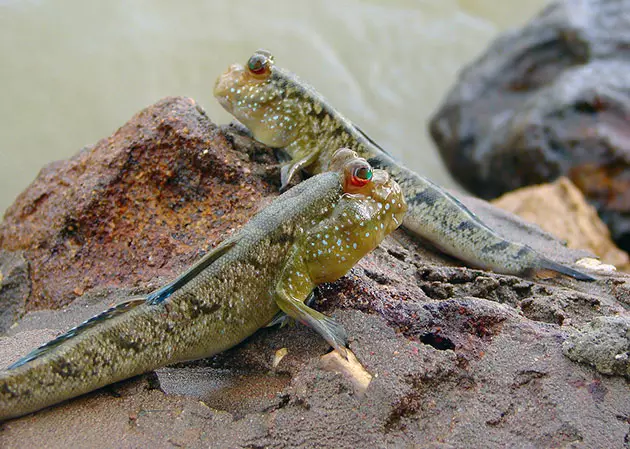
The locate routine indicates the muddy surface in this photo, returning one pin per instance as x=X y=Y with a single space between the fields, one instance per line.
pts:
x=458 y=357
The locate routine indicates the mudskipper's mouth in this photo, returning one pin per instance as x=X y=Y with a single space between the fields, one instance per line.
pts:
x=226 y=84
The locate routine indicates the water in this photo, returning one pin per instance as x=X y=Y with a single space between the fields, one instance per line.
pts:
x=71 y=71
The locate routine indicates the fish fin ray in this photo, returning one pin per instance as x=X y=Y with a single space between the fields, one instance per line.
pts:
x=108 y=314
x=162 y=293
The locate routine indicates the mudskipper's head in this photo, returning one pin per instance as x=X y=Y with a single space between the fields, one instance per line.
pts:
x=258 y=95
x=371 y=207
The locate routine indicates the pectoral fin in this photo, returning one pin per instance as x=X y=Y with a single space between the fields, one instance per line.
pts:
x=329 y=329
x=288 y=171
x=282 y=319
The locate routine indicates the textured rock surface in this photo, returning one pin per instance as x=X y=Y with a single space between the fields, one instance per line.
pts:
x=459 y=357
x=560 y=209
x=604 y=343
x=548 y=100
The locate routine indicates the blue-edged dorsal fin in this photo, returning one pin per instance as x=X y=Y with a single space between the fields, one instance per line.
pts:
x=110 y=313
x=163 y=293
x=369 y=139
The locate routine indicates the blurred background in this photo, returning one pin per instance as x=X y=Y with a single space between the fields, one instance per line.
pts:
x=72 y=72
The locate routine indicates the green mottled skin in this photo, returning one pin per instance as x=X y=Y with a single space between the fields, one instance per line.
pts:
x=281 y=110
x=313 y=233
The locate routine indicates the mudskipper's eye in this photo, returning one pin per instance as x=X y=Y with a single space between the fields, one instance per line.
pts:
x=258 y=65
x=361 y=174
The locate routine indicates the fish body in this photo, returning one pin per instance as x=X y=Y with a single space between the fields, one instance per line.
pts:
x=311 y=234
x=283 y=111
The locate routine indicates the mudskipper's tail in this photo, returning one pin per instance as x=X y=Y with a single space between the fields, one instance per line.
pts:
x=546 y=264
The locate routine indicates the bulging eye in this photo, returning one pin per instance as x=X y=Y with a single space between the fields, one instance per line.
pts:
x=258 y=65
x=361 y=174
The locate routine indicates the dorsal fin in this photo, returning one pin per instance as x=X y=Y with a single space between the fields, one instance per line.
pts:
x=369 y=139
x=110 y=313
x=154 y=298
x=163 y=293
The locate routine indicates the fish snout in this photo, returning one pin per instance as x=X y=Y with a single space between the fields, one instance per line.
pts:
x=228 y=81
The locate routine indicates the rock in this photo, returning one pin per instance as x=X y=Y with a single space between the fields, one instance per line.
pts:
x=350 y=368
x=455 y=355
x=15 y=287
x=560 y=209
x=604 y=344
x=137 y=206
x=548 y=100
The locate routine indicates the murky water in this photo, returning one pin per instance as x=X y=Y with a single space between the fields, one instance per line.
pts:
x=72 y=71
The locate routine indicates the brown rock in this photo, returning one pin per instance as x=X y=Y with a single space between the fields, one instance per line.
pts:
x=561 y=209
x=139 y=205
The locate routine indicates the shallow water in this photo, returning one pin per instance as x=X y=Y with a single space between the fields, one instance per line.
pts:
x=72 y=72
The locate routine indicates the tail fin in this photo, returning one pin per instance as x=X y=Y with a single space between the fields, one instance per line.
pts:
x=546 y=264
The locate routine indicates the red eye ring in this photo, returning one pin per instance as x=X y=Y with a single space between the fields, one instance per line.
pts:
x=361 y=175
x=258 y=64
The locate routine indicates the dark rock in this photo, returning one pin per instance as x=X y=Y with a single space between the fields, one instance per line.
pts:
x=459 y=357
x=551 y=99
